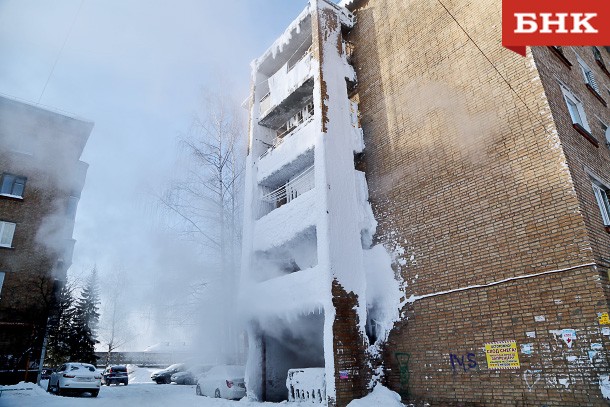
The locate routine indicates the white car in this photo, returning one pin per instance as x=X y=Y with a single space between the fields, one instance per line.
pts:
x=75 y=377
x=226 y=381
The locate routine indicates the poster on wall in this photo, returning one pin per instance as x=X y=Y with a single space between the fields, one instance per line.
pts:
x=502 y=355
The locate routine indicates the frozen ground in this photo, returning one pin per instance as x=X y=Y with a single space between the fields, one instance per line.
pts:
x=141 y=391
x=135 y=394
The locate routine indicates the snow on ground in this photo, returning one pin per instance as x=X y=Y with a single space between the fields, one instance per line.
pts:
x=136 y=394
x=160 y=395
x=140 y=374
x=141 y=391
x=381 y=396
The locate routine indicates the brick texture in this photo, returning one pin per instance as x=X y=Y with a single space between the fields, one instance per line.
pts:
x=475 y=171
x=41 y=248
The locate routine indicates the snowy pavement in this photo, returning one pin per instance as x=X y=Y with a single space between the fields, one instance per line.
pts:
x=141 y=391
x=135 y=394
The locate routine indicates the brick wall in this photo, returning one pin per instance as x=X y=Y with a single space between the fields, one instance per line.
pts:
x=40 y=252
x=468 y=179
x=585 y=159
x=349 y=349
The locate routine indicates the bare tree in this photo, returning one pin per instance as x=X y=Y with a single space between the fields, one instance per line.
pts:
x=205 y=204
x=114 y=329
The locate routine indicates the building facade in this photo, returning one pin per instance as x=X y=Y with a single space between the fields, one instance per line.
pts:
x=488 y=176
x=41 y=179
x=307 y=218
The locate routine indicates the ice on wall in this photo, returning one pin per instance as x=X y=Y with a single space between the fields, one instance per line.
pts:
x=384 y=293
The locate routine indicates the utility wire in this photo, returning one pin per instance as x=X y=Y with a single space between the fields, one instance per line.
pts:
x=495 y=68
x=60 y=51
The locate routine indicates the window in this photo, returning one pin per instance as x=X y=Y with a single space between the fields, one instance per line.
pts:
x=12 y=185
x=605 y=132
x=577 y=113
x=590 y=80
x=7 y=229
x=597 y=54
x=589 y=76
x=601 y=196
x=1 y=282
x=558 y=51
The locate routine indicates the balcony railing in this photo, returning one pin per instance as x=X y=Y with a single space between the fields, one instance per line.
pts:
x=295 y=187
x=283 y=136
x=307 y=385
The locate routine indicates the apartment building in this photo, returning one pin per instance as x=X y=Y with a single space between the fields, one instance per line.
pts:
x=41 y=178
x=307 y=213
x=487 y=174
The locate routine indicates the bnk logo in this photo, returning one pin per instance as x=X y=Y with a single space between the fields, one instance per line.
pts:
x=554 y=22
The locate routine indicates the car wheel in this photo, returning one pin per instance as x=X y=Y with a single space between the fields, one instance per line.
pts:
x=49 y=389
x=125 y=382
x=198 y=391
x=94 y=393
x=217 y=393
x=168 y=380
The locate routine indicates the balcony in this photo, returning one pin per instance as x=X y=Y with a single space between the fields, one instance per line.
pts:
x=281 y=225
x=295 y=187
x=301 y=292
x=291 y=84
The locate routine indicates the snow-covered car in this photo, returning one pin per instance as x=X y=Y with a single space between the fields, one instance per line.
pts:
x=226 y=381
x=165 y=375
x=115 y=374
x=190 y=376
x=75 y=377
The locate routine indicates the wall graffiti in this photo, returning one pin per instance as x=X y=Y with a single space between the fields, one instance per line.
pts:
x=531 y=377
x=465 y=362
x=403 y=367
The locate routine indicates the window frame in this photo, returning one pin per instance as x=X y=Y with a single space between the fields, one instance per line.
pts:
x=582 y=125
x=2 y=276
x=600 y=191
x=16 y=180
x=3 y=224
x=590 y=80
x=568 y=94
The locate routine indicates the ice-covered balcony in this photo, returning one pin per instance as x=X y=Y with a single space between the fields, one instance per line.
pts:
x=292 y=217
x=299 y=253
x=284 y=82
x=302 y=292
x=285 y=151
x=286 y=193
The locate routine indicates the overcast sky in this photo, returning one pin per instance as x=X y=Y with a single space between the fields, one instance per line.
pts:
x=135 y=68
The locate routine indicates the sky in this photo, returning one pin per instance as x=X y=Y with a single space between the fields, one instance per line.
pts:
x=136 y=68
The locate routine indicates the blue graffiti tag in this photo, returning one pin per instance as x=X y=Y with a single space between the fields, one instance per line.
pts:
x=466 y=365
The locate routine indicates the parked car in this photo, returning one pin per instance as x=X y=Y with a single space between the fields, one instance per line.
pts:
x=190 y=376
x=226 y=381
x=75 y=377
x=115 y=374
x=165 y=375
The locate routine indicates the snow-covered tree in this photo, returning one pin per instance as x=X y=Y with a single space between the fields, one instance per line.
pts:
x=71 y=332
x=87 y=306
